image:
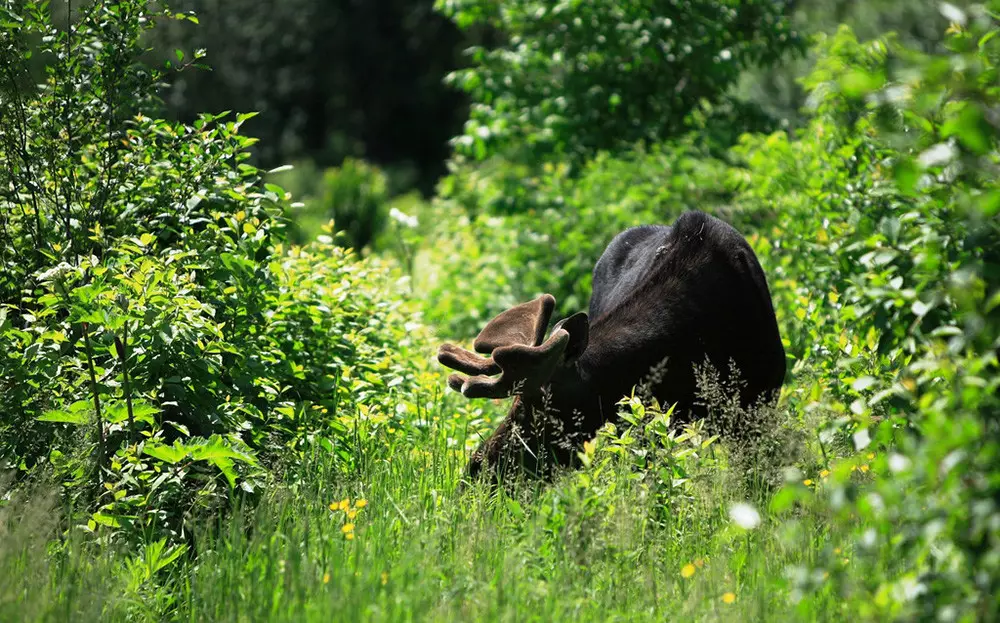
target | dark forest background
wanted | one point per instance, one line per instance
(364, 79)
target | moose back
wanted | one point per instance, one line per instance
(665, 299)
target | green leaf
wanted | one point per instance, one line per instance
(116, 412)
(907, 173)
(157, 555)
(989, 204)
(858, 82)
(784, 500)
(971, 128)
(144, 412)
(106, 520)
(515, 508)
(60, 416)
(168, 454)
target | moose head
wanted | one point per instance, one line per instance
(679, 295)
(519, 362)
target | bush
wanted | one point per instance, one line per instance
(573, 78)
(887, 254)
(546, 234)
(161, 349)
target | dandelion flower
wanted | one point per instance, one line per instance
(807, 482)
(334, 506)
(687, 570)
(326, 578)
(385, 578)
(864, 468)
(349, 536)
(351, 514)
(345, 504)
(728, 598)
(824, 473)
(871, 455)
(361, 503)
(347, 528)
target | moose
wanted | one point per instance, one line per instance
(665, 300)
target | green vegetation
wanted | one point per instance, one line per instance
(216, 405)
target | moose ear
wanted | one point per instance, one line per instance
(523, 324)
(578, 327)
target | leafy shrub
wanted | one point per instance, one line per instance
(546, 234)
(887, 253)
(570, 79)
(161, 349)
(357, 196)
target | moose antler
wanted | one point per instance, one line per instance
(513, 339)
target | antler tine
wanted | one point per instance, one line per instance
(524, 369)
(462, 360)
(514, 339)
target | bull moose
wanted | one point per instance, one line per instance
(674, 296)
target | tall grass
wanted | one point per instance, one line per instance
(396, 541)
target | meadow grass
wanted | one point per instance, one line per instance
(396, 541)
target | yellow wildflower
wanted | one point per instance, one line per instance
(349, 536)
(728, 598)
(807, 482)
(345, 504)
(687, 570)
(864, 468)
(361, 503)
(334, 506)
(347, 528)
(385, 578)
(871, 455)
(326, 578)
(351, 514)
(824, 473)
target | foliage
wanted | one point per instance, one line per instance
(161, 347)
(777, 89)
(569, 79)
(916, 271)
(180, 356)
(355, 196)
(546, 234)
